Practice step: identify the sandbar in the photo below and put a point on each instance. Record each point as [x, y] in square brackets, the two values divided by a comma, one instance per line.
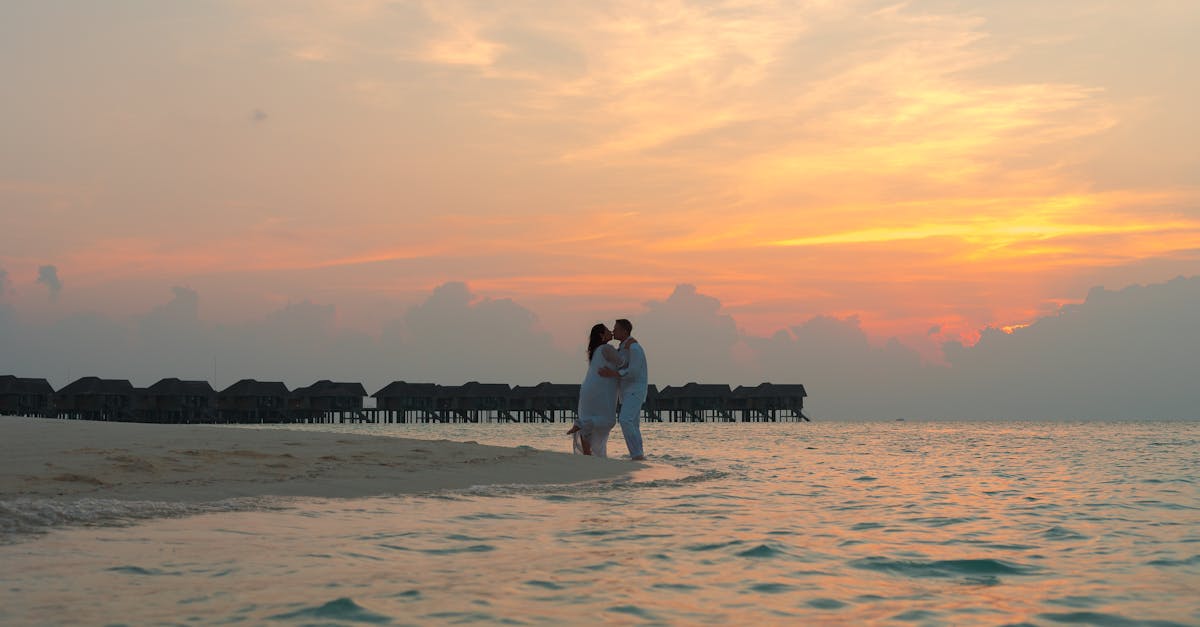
[72, 459]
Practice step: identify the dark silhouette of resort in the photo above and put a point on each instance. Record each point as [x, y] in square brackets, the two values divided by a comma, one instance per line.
[249, 401]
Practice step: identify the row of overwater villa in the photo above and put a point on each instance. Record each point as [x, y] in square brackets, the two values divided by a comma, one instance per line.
[249, 401]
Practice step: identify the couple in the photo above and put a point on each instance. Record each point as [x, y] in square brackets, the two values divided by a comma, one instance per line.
[612, 373]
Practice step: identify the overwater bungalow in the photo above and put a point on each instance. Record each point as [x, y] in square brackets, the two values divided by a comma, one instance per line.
[25, 397]
[650, 411]
[249, 400]
[93, 398]
[769, 402]
[475, 402]
[173, 400]
[400, 401]
[544, 402]
[328, 400]
[695, 402]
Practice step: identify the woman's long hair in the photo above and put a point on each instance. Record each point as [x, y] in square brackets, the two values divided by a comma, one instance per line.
[595, 338]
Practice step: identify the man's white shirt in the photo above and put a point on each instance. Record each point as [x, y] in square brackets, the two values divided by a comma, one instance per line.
[634, 375]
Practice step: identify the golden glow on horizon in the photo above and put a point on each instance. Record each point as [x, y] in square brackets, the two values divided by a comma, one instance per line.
[990, 233]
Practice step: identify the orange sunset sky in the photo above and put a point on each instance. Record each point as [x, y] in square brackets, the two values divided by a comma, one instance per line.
[931, 167]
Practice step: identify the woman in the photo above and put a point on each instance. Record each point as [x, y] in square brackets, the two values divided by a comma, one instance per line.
[597, 396]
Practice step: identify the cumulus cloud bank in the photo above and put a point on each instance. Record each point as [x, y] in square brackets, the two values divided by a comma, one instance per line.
[1126, 353]
[453, 336]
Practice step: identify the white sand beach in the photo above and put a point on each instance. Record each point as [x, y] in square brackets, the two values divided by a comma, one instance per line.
[69, 459]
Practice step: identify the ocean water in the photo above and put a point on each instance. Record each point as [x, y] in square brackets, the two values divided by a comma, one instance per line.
[921, 523]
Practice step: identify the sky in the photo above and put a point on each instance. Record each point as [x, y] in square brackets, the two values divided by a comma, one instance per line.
[884, 200]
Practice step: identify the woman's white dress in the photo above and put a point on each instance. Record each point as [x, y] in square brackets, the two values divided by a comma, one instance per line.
[598, 401]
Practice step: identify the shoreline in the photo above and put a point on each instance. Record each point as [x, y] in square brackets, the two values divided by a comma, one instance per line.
[67, 460]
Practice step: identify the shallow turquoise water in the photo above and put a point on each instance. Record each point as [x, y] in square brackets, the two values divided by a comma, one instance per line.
[924, 523]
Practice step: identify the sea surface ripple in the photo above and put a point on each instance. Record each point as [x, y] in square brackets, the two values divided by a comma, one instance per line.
[921, 523]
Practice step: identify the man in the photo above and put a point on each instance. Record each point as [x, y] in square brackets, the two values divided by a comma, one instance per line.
[632, 379]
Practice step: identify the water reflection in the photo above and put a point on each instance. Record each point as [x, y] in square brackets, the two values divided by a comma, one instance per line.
[927, 523]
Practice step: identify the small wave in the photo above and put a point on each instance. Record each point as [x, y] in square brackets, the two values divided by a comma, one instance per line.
[598, 566]
[548, 585]
[943, 568]
[915, 616]
[594, 533]
[489, 516]
[459, 618]
[984, 544]
[939, 521]
[386, 535]
[343, 609]
[554, 498]
[144, 572]
[810, 573]
[1106, 620]
[1193, 560]
[634, 537]
[675, 587]
[1165, 505]
[363, 556]
[458, 537]
[763, 551]
[633, 610]
[473, 548]
[659, 476]
[1076, 601]
[771, 588]
[27, 517]
[712, 546]
[1062, 533]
